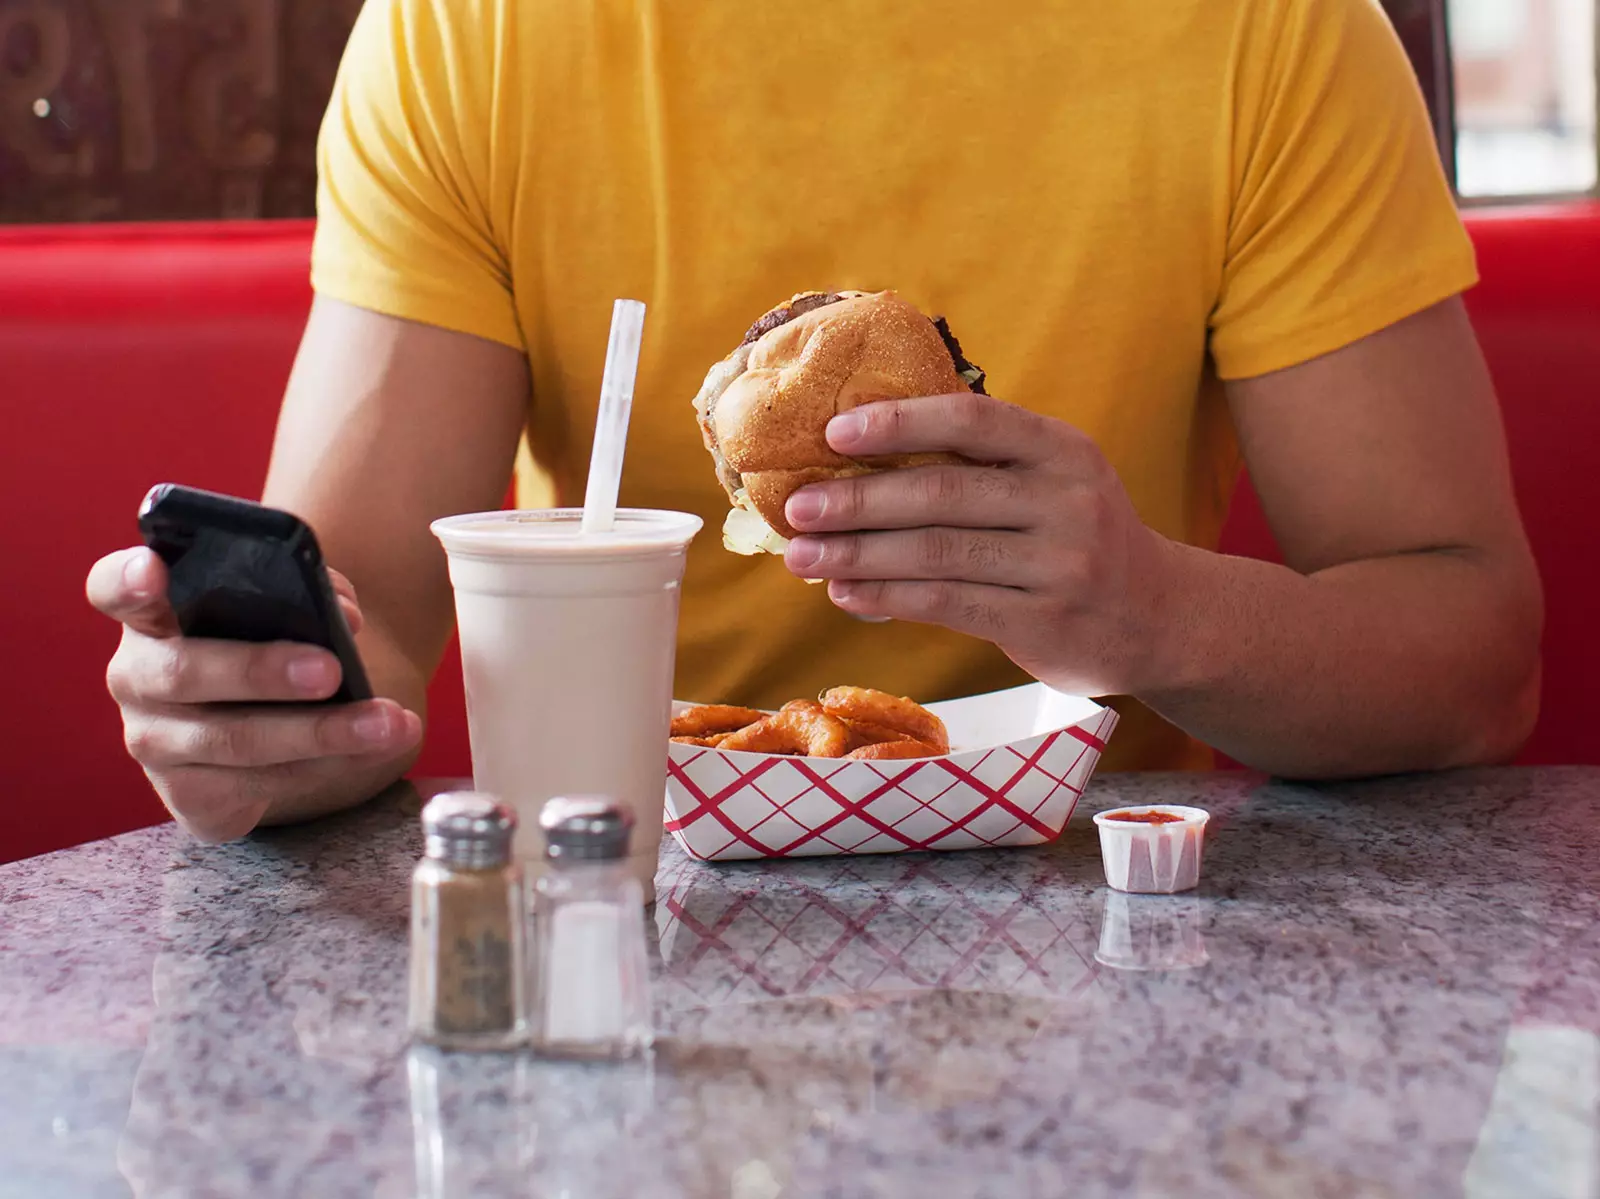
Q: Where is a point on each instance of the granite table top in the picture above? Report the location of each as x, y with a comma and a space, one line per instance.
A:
1388, 989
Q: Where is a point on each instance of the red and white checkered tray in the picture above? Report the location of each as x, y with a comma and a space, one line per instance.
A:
1021, 758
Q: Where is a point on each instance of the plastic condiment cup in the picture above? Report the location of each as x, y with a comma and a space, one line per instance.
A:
1152, 859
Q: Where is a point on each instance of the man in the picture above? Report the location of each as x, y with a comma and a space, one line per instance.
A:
1169, 230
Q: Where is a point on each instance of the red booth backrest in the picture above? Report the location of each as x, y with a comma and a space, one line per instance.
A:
130, 355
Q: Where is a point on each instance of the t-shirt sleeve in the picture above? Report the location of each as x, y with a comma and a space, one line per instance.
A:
1342, 221
405, 220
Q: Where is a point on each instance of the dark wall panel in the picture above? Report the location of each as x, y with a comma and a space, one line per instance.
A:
1424, 30
177, 109
148, 109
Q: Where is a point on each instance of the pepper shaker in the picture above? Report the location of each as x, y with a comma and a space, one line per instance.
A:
467, 959
591, 975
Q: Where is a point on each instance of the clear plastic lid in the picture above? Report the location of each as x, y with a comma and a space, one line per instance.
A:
546, 530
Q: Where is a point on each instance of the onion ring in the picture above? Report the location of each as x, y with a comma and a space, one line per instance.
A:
707, 719
911, 719
891, 750
864, 732
847, 722
800, 728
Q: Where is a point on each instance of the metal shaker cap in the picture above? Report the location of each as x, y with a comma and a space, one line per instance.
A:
464, 828
584, 829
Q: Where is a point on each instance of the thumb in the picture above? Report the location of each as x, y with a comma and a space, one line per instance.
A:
130, 586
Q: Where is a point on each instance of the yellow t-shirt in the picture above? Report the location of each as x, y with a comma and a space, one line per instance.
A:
1116, 205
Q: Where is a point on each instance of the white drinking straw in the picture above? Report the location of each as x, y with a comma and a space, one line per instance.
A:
611, 424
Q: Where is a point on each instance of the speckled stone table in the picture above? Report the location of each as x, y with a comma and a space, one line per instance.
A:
1382, 990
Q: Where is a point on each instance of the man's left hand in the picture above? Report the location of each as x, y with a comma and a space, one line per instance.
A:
1034, 545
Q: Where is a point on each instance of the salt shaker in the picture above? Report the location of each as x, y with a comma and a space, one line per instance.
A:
468, 966
591, 979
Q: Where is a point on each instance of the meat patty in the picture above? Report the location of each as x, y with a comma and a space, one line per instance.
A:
780, 317
973, 374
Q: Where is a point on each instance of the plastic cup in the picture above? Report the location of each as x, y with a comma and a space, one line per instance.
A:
1152, 859
568, 643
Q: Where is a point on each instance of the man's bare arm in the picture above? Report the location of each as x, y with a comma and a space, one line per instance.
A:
1403, 631
386, 425
1402, 634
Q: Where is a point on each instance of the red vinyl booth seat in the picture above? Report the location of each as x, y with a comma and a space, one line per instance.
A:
132, 355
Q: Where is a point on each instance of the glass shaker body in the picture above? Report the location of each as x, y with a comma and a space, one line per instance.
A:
591, 970
468, 965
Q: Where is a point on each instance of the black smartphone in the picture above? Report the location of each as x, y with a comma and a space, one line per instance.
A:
241, 571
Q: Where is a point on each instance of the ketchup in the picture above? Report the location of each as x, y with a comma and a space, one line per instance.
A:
1145, 817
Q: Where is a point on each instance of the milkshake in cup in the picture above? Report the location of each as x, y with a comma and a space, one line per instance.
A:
568, 641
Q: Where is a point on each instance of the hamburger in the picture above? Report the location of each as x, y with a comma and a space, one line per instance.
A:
764, 409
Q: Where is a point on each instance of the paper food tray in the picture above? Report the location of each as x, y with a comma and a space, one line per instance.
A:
1019, 761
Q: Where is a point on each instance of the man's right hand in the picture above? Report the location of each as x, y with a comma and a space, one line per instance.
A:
207, 719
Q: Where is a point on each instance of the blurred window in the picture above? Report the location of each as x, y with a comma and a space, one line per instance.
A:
1524, 96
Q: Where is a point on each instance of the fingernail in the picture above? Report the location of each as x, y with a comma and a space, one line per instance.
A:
136, 576
804, 507
372, 728
310, 673
846, 427
803, 552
